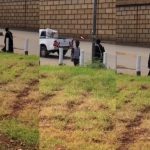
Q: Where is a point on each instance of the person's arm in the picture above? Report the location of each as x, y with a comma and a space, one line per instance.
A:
102, 48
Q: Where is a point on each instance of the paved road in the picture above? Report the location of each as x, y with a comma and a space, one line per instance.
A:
126, 56
19, 41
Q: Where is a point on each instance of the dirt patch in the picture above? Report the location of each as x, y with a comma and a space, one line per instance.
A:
121, 89
103, 107
31, 64
5, 116
95, 140
23, 93
144, 87
20, 105
133, 130
3, 84
26, 91
17, 75
22, 99
43, 76
73, 105
110, 127
146, 109
33, 82
48, 96
59, 147
10, 66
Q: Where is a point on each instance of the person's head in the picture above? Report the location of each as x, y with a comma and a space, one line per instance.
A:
77, 43
6, 29
98, 41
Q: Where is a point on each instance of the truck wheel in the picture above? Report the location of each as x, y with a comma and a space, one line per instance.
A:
43, 51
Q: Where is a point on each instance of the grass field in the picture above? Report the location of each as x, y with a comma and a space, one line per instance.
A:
93, 109
19, 102
80, 108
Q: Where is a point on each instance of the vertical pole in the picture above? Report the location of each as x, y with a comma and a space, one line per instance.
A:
82, 58
7, 44
116, 59
25, 23
105, 59
94, 28
60, 56
138, 66
26, 46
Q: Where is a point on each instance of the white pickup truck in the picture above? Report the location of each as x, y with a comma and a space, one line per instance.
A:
50, 42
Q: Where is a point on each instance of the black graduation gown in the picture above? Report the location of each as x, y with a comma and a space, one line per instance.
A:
10, 37
99, 51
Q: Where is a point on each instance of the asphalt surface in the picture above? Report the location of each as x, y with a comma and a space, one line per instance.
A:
124, 56
19, 41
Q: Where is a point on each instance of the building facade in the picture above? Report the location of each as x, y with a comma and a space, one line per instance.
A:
75, 17
20, 14
117, 20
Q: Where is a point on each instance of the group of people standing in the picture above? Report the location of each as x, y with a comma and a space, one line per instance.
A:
75, 52
98, 52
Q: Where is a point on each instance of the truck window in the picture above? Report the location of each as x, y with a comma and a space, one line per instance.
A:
43, 34
52, 35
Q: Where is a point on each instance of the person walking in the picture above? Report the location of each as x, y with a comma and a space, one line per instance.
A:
9, 36
99, 50
149, 65
75, 53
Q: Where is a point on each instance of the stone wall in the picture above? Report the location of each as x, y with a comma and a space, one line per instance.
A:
132, 2
133, 21
74, 17
23, 14
118, 20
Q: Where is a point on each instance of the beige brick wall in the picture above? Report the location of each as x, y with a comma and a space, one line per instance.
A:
133, 2
106, 21
133, 23
19, 14
74, 17
121, 20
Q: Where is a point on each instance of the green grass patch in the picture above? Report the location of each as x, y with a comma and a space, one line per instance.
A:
87, 106
19, 100
18, 131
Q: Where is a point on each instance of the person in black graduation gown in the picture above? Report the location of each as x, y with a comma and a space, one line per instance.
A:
8, 35
149, 65
99, 50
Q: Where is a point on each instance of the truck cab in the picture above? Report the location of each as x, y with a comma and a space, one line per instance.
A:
50, 42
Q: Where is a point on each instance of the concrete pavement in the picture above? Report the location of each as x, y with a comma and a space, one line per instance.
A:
19, 41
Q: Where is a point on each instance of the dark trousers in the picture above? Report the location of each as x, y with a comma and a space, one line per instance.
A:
149, 73
76, 62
